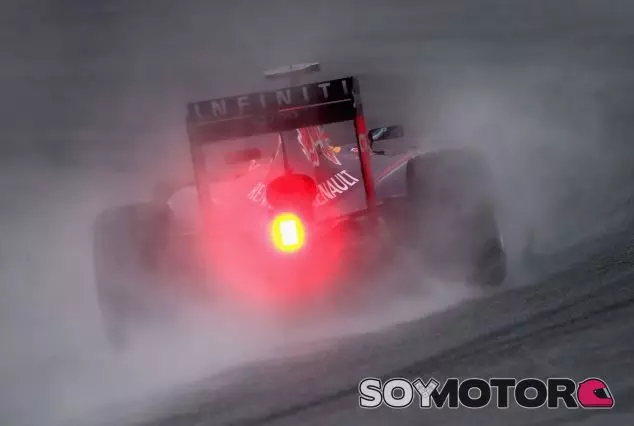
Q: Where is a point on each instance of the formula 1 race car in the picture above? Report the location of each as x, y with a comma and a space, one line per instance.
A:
286, 207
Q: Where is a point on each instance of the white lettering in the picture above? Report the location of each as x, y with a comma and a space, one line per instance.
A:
283, 96
344, 85
258, 193
332, 187
324, 88
325, 192
370, 395
352, 180
197, 111
252, 193
319, 199
425, 390
336, 180
219, 108
243, 102
253, 164
407, 393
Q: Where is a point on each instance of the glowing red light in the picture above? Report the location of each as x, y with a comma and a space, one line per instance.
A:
287, 232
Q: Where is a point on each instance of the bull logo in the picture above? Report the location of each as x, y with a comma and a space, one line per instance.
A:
312, 138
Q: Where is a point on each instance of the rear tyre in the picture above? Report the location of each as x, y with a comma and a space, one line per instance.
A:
127, 246
451, 217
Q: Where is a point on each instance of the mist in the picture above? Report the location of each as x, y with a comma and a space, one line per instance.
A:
93, 115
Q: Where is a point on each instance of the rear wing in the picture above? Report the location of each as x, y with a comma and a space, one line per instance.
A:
274, 111
281, 110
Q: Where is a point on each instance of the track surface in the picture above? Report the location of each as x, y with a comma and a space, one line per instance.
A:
544, 88
575, 323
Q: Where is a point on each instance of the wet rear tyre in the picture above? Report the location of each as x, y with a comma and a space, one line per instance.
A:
126, 251
451, 217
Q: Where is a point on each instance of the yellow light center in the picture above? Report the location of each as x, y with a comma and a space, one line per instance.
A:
287, 232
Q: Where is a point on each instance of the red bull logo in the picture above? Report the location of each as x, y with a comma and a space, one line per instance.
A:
313, 138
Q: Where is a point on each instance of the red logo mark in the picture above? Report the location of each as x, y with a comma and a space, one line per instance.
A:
594, 393
312, 138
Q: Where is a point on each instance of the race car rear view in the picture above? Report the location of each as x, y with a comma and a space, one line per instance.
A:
292, 201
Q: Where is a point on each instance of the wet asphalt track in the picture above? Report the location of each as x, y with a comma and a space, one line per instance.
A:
576, 322
532, 73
